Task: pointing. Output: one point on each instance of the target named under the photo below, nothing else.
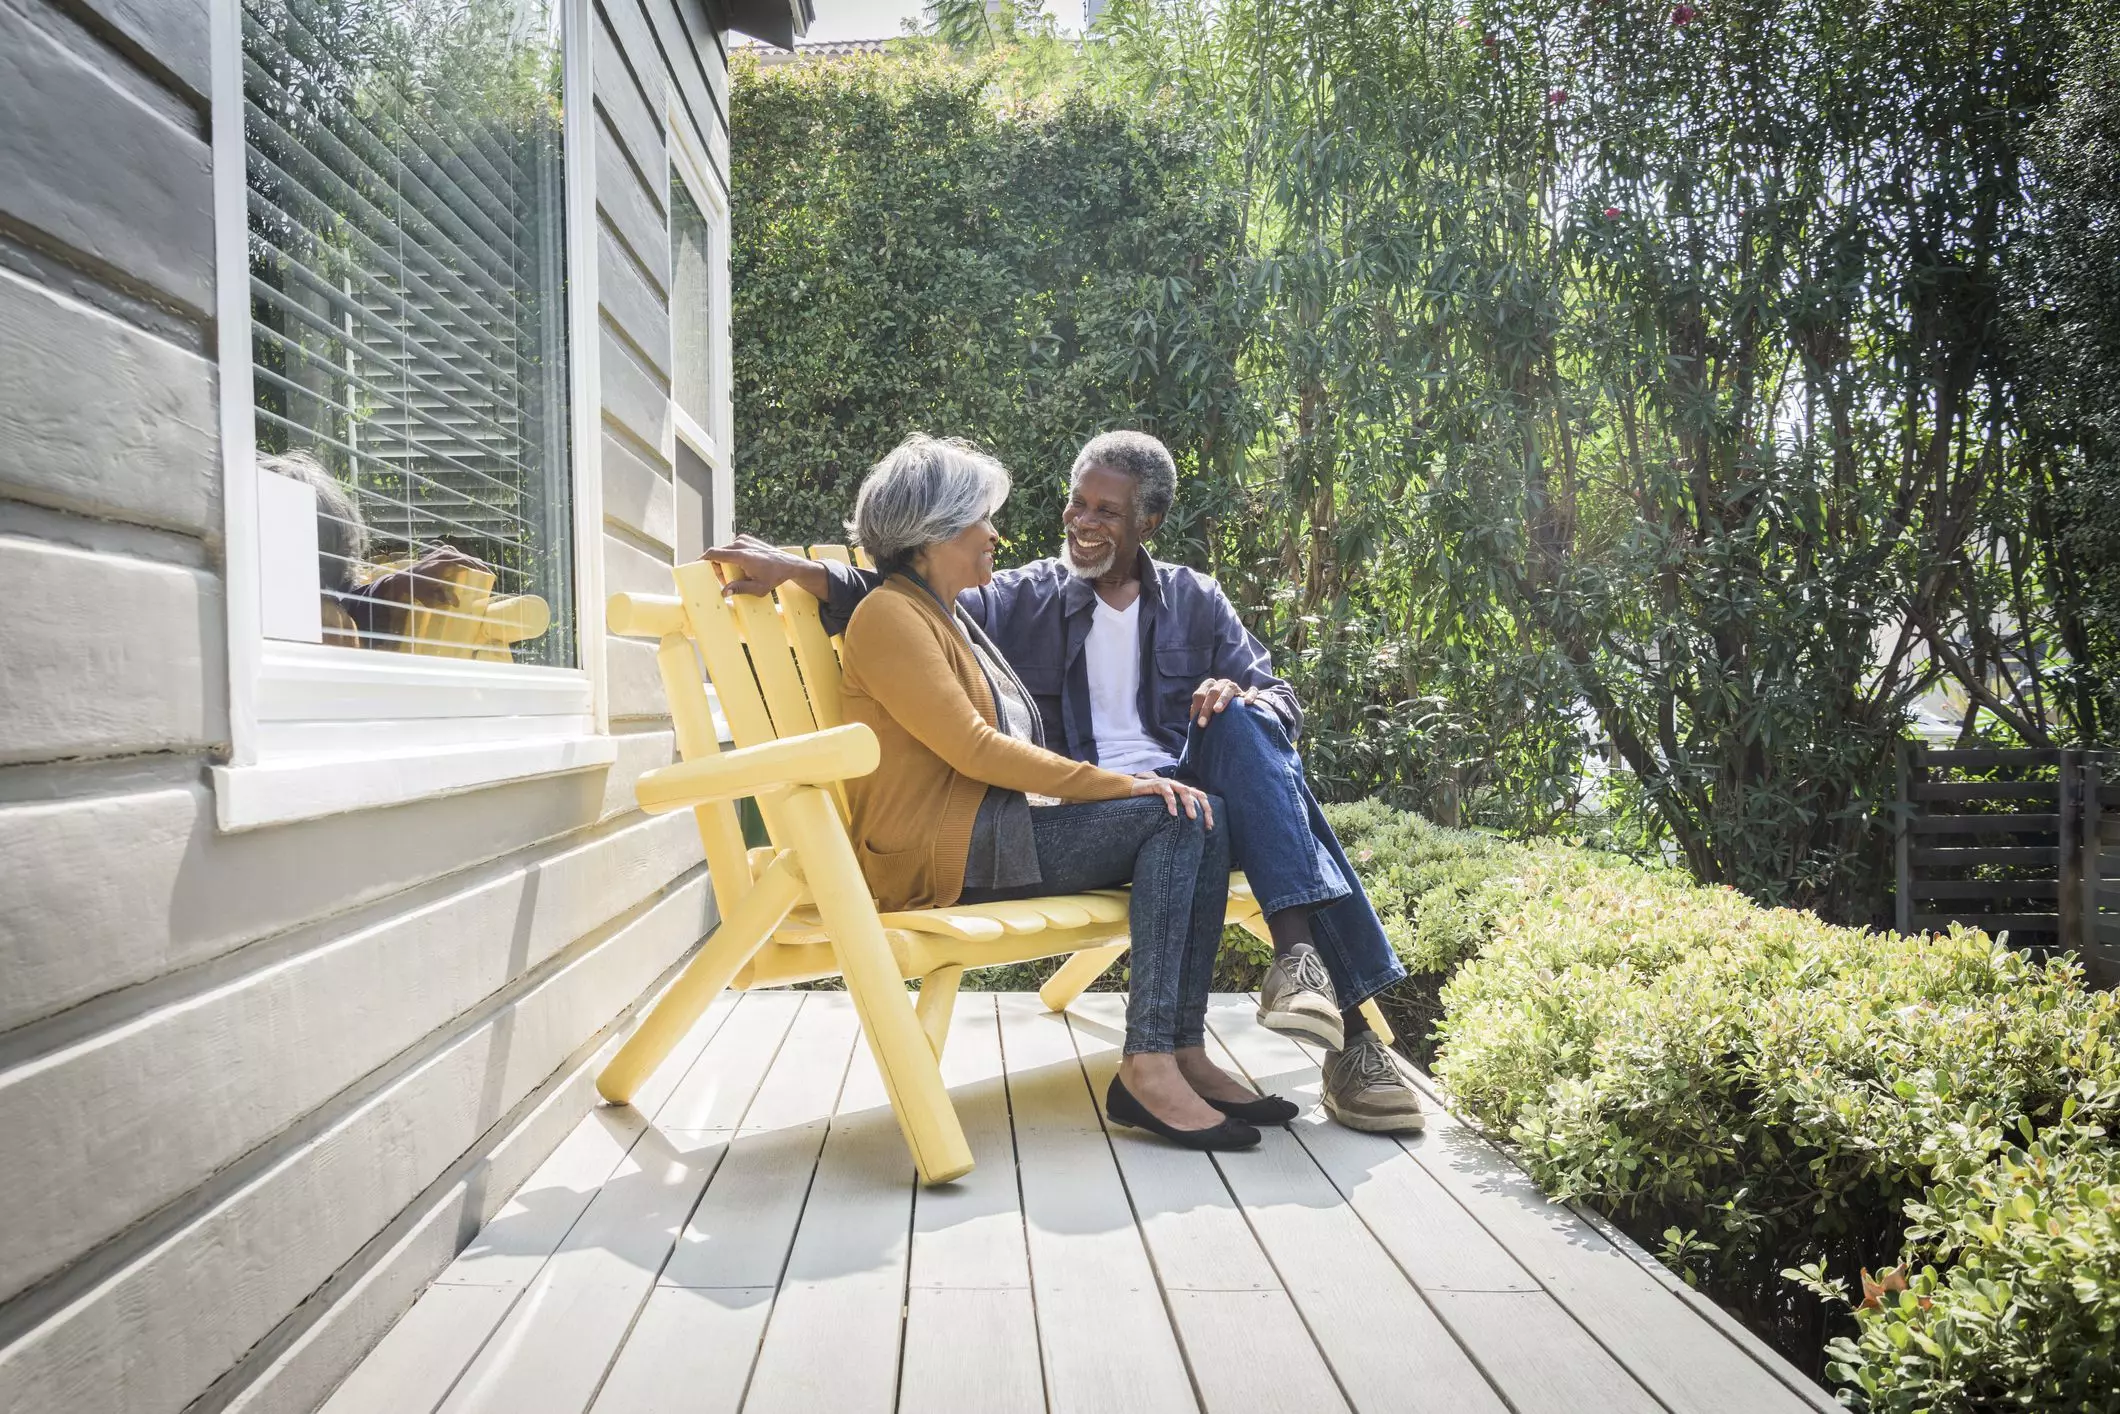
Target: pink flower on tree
(1556, 97)
(1612, 213)
(1683, 14)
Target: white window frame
(711, 443)
(317, 730)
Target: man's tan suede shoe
(1296, 999)
(1368, 1087)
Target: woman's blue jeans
(1279, 838)
(1179, 870)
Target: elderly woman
(967, 804)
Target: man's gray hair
(342, 536)
(927, 490)
(1140, 456)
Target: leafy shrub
(1439, 892)
(1787, 1104)
(2026, 1315)
(1769, 1092)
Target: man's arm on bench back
(761, 568)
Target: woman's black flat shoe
(1266, 1109)
(1123, 1108)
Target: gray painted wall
(258, 1088)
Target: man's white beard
(1088, 569)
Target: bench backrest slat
(713, 626)
(814, 655)
(773, 665)
(720, 832)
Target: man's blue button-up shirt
(1039, 617)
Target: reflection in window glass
(691, 306)
(408, 313)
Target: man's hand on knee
(1213, 697)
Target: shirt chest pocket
(1180, 668)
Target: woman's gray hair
(342, 536)
(1138, 455)
(927, 490)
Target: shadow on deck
(748, 1235)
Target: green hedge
(1782, 1104)
(911, 253)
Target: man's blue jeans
(1279, 838)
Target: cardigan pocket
(896, 877)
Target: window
(692, 306)
(699, 383)
(405, 399)
(408, 317)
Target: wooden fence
(2025, 842)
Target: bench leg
(1075, 975)
(744, 929)
(1371, 1012)
(911, 1075)
(938, 998)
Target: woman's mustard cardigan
(912, 678)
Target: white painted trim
(307, 682)
(584, 335)
(691, 434)
(306, 787)
(239, 487)
(315, 730)
(709, 188)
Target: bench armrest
(644, 615)
(812, 759)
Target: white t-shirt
(1113, 657)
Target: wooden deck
(748, 1236)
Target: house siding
(260, 1087)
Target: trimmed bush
(1781, 1104)
(2023, 1314)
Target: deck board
(697, 1337)
(1650, 1331)
(551, 1353)
(420, 1359)
(1225, 1298)
(971, 1333)
(1524, 1341)
(1090, 1274)
(834, 1337)
(749, 1237)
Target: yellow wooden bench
(799, 910)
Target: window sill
(308, 787)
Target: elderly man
(1141, 666)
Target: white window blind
(408, 314)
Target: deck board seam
(1023, 1218)
(905, 1282)
(1763, 1355)
(780, 1278)
(1148, 1251)
(611, 1361)
(471, 1360)
(1448, 1326)
(1546, 1289)
(1266, 1251)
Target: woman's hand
(1174, 793)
